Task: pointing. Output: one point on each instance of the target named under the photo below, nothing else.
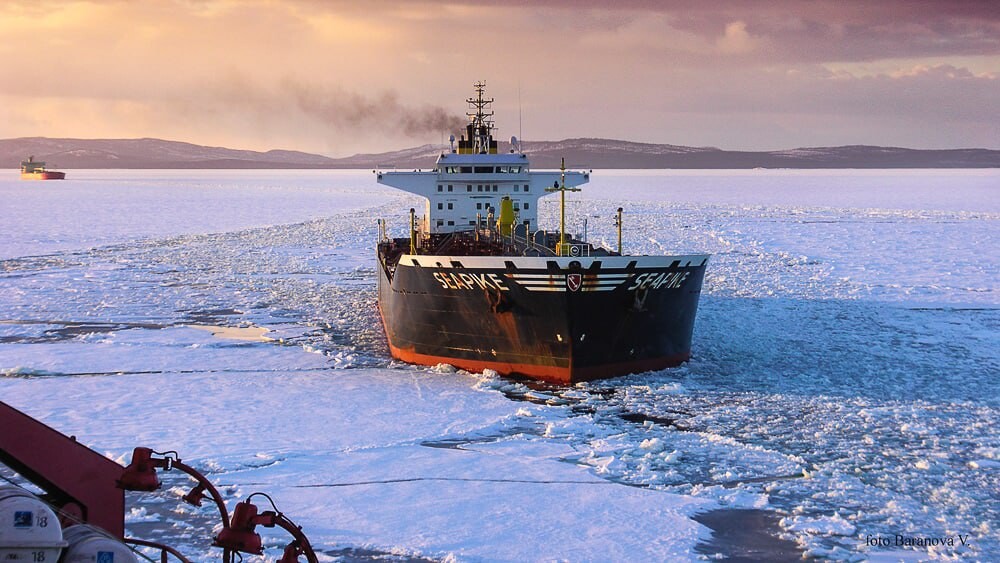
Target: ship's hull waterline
(46, 175)
(561, 320)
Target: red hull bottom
(49, 175)
(551, 374)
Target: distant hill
(148, 153)
(604, 153)
(579, 153)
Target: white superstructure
(470, 180)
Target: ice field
(844, 385)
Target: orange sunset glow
(339, 78)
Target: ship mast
(562, 189)
(480, 122)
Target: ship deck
(487, 242)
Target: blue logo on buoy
(23, 518)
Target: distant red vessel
(32, 169)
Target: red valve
(195, 496)
(291, 554)
(140, 475)
(239, 536)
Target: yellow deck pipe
(413, 232)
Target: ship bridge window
(440, 223)
(515, 169)
(502, 169)
(451, 170)
(526, 205)
(484, 170)
(479, 188)
(451, 206)
(526, 187)
(451, 223)
(516, 187)
(440, 187)
(468, 187)
(466, 169)
(494, 187)
(449, 188)
(440, 206)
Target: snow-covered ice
(845, 370)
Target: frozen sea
(844, 389)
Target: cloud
(924, 106)
(797, 31)
(736, 40)
(941, 71)
(338, 77)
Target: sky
(338, 78)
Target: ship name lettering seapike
(650, 280)
(469, 281)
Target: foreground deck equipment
(84, 500)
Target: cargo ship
(32, 169)
(478, 285)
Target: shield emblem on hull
(574, 281)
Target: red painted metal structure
(80, 482)
(85, 486)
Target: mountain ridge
(582, 152)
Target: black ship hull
(558, 319)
